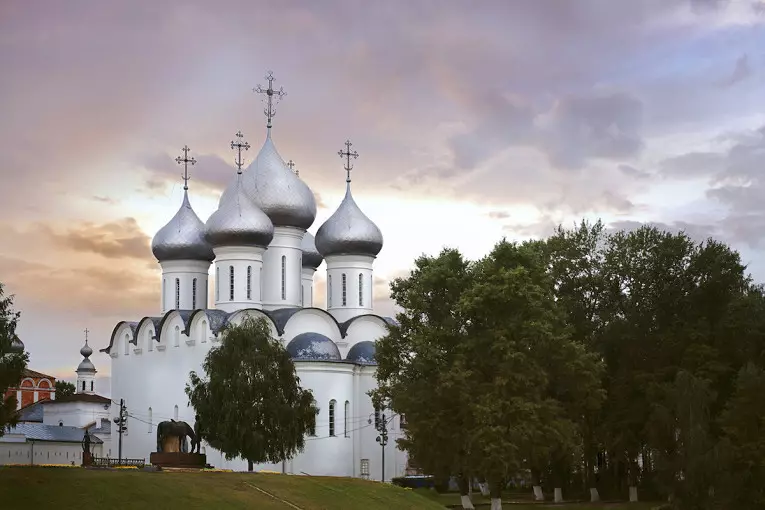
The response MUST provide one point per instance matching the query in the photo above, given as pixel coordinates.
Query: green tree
(419, 371)
(249, 397)
(12, 363)
(64, 389)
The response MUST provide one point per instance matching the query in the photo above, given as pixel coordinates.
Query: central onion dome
(183, 238)
(311, 256)
(279, 193)
(238, 221)
(348, 231)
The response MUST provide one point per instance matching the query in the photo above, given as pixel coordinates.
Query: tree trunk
(558, 495)
(633, 494)
(495, 491)
(249, 466)
(594, 495)
(464, 485)
(538, 494)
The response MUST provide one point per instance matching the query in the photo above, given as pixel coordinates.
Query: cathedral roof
(362, 353)
(349, 231)
(238, 220)
(42, 432)
(277, 191)
(311, 256)
(313, 347)
(183, 237)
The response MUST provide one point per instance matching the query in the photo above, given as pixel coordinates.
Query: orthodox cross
(238, 146)
(291, 164)
(86, 334)
(185, 162)
(272, 97)
(348, 155)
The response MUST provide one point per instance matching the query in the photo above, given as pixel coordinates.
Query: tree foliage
(12, 365)
(249, 398)
(64, 389)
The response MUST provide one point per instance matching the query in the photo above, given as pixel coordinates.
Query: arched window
(83, 385)
(361, 289)
(302, 295)
(217, 283)
(284, 277)
(149, 341)
(175, 412)
(332, 405)
(346, 417)
(127, 346)
(249, 282)
(230, 283)
(204, 331)
(329, 291)
(164, 289)
(260, 282)
(194, 294)
(150, 423)
(91, 385)
(177, 293)
(177, 336)
(344, 294)
(310, 292)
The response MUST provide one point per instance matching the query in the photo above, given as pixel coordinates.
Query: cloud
(498, 215)
(115, 240)
(741, 72)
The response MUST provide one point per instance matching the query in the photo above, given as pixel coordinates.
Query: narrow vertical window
(332, 405)
(284, 277)
(194, 294)
(150, 423)
(207, 296)
(83, 385)
(329, 291)
(230, 283)
(175, 413)
(346, 418)
(91, 385)
(217, 283)
(177, 336)
(249, 282)
(177, 293)
(302, 295)
(260, 283)
(344, 295)
(361, 289)
(164, 290)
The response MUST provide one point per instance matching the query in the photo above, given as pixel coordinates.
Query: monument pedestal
(178, 460)
(87, 458)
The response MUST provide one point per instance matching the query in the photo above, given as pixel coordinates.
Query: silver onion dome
(311, 256)
(17, 346)
(238, 221)
(86, 365)
(349, 231)
(183, 238)
(279, 193)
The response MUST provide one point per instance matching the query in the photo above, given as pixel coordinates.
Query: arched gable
(117, 332)
(301, 320)
(238, 316)
(169, 321)
(216, 320)
(367, 327)
(27, 383)
(148, 326)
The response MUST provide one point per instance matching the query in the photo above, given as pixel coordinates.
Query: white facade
(184, 284)
(16, 449)
(282, 262)
(238, 278)
(350, 281)
(307, 286)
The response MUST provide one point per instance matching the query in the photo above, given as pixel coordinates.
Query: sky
(473, 120)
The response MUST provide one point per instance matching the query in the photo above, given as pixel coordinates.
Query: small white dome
(277, 191)
(183, 238)
(349, 231)
(238, 221)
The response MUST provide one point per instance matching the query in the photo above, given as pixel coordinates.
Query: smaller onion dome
(279, 193)
(362, 353)
(313, 347)
(183, 238)
(17, 346)
(349, 231)
(86, 351)
(86, 365)
(238, 221)
(311, 257)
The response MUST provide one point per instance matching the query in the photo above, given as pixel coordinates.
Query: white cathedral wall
(307, 286)
(282, 266)
(355, 297)
(42, 452)
(74, 414)
(311, 320)
(185, 271)
(366, 328)
(247, 289)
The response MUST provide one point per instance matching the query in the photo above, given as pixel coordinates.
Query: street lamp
(382, 427)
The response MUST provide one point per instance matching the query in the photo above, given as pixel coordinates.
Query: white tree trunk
(594, 495)
(466, 503)
(496, 503)
(633, 494)
(484, 488)
(538, 494)
(558, 495)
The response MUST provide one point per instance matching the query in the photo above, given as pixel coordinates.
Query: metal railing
(108, 462)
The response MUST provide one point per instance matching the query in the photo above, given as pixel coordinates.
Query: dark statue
(86, 443)
(179, 429)
(196, 441)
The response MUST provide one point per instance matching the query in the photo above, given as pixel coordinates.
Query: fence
(107, 462)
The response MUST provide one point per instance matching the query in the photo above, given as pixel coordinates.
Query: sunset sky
(473, 119)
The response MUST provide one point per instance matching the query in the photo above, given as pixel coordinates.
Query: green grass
(524, 501)
(75, 488)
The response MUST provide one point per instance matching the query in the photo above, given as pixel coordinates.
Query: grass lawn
(524, 502)
(76, 488)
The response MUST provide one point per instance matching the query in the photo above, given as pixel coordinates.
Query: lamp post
(381, 426)
(121, 422)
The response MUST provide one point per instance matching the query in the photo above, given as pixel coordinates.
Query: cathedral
(264, 263)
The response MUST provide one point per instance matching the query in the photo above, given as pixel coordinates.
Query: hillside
(75, 488)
